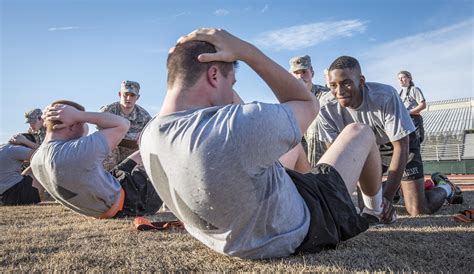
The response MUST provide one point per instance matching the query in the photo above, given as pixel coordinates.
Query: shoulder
(382, 93)
(114, 107)
(328, 101)
(320, 88)
(142, 111)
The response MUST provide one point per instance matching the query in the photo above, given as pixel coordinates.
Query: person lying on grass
(69, 165)
(219, 165)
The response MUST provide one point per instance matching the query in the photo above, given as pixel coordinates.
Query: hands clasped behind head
(63, 114)
(229, 48)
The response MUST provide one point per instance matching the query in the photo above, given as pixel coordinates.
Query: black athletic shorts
(23, 193)
(333, 215)
(414, 168)
(140, 195)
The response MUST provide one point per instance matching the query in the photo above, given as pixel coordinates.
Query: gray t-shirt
(72, 172)
(11, 160)
(411, 97)
(217, 169)
(381, 109)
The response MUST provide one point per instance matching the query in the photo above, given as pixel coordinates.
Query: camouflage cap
(130, 86)
(300, 62)
(33, 115)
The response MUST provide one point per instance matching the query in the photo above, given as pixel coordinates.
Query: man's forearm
(396, 168)
(284, 85)
(416, 110)
(104, 120)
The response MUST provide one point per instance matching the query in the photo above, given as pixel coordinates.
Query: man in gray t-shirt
(69, 165)
(219, 164)
(353, 100)
(15, 188)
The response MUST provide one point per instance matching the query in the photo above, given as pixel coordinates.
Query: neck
(57, 135)
(126, 110)
(179, 98)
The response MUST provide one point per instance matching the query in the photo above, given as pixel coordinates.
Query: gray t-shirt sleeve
(418, 95)
(262, 133)
(327, 129)
(397, 121)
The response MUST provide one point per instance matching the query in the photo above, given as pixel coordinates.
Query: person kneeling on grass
(219, 165)
(69, 165)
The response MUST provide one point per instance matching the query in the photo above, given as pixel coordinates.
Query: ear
(212, 73)
(362, 79)
(119, 94)
(138, 96)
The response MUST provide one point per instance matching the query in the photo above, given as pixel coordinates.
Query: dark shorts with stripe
(333, 215)
(140, 195)
(414, 168)
(22, 193)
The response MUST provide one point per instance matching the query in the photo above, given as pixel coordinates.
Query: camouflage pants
(116, 156)
(315, 148)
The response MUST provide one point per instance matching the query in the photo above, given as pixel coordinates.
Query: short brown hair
(50, 124)
(345, 62)
(183, 63)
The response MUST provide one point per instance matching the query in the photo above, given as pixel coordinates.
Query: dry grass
(50, 237)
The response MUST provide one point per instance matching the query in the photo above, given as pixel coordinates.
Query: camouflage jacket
(39, 135)
(138, 118)
(319, 91)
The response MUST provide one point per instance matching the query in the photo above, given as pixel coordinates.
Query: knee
(361, 130)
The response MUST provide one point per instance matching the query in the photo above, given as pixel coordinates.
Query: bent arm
(286, 88)
(19, 139)
(417, 110)
(397, 167)
(113, 127)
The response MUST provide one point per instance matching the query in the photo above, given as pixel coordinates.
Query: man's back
(223, 162)
(11, 160)
(71, 171)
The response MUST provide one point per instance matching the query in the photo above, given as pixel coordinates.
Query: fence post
(437, 155)
(459, 152)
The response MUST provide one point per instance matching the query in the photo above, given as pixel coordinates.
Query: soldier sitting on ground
(15, 188)
(69, 165)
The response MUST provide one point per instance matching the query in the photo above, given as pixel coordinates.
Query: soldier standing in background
(301, 68)
(138, 117)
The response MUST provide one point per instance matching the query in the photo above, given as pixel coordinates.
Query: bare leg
(417, 201)
(296, 159)
(355, 156)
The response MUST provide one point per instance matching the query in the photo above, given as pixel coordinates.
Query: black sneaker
(456, 198)
(372, 220)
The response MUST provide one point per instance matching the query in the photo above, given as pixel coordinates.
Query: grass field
(50, 237)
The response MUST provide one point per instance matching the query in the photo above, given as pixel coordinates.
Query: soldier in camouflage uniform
(33, 117)
(301, 68)
(138, 117)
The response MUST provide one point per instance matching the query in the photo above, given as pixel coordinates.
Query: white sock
(374, 203)
(447, 188)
